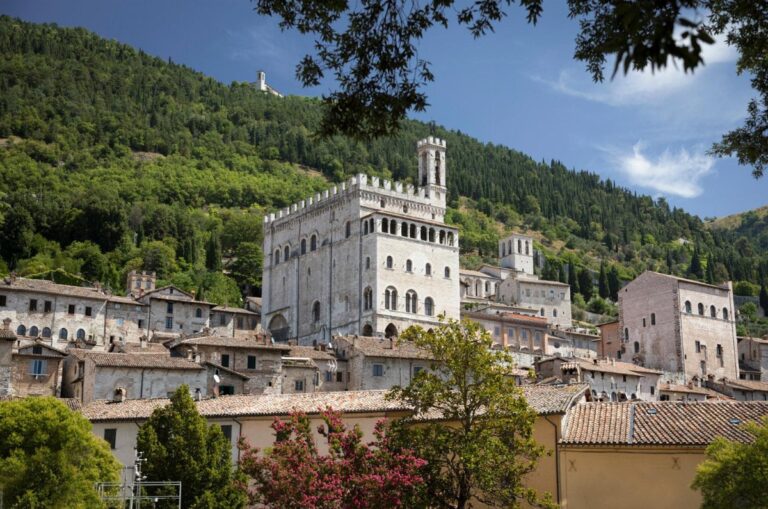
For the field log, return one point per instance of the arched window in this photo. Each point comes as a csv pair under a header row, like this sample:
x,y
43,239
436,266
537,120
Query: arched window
x,y
277,256
487,287
542,312
21,330
390,263
287,253
428,269
367,298
80,334
431,234
383,203
316,311
367,330
653,318
63,333
303,246
198,313
478,288
450,238
424,168
447,272
408,266
423,233
688,306
637,347
34,331
701,309
46,332
429,306
725,313
519,246
385,225
437,168
413,231
509,247
313,243
411,302
404,229
527,247
365,228
390,298
503,249
367,262
390,331
347,230
554,313
393,227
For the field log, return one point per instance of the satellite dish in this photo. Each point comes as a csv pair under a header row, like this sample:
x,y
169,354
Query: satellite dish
x,y
216,378
330,345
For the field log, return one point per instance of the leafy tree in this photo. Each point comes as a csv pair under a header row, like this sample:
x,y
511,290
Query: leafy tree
x,y
586,286
602,283
293,473
49,457
158,257
734,474
370,48
748,311
246,269
178,445
484,447
746,289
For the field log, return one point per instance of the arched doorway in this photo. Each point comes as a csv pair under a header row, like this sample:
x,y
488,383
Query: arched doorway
x,y
278,327
390,331
367,330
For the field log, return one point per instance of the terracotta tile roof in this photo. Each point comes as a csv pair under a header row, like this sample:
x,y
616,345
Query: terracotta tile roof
x,y
251,405
684,389
135,360
45,286
137,348
227,370
680,423
229,309
749,385
614,367
229,342
684,280
381,347
477,273
311,352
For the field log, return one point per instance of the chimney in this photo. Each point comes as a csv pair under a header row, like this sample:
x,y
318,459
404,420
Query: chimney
x,y
198,394
7,324
120,395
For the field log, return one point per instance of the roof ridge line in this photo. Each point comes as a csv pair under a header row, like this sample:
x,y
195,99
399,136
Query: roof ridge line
x,y
631,430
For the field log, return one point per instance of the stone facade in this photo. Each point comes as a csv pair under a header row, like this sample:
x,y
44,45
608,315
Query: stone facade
x,y
753,355
367,257
679,326
36,370
175,311
610,340
234,322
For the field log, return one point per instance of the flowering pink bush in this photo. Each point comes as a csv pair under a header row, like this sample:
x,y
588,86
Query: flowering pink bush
x,y
292,474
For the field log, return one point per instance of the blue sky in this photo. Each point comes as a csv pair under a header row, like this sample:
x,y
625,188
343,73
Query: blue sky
x,y
518,87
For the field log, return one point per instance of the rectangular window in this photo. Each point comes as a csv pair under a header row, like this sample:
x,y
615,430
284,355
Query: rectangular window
x,y
37,368
339,376
71,309
298,385
329,376
110,435
643,322
2,300
226,429
510,334
37,350
416,370
251,362
33,304
47,305
496,332
222,319
227,390
240,322
88,311
225,360
653,390
698,347
169,308
169,322
140,323
378,370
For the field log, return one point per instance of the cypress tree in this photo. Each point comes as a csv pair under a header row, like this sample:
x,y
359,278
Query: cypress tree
x,y
602,282
695,269
572,280
764,299
213,252
585,284
614,283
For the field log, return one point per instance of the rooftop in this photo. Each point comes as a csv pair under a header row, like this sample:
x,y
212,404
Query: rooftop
x,y
746,385
684,280
311,352
681,423
45,286
135,360
685,389
229,342
230,309
382,347
605,366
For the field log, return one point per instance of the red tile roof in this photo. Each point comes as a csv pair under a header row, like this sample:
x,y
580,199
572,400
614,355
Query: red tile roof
x,y
666,423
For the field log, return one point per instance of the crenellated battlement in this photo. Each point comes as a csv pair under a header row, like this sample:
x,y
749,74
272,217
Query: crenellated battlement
x,y
360,182
431,140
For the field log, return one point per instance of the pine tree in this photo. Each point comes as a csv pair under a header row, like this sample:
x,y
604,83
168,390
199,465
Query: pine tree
x,y
602,282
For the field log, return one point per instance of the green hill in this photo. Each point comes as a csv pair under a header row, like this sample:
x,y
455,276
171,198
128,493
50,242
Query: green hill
x,y
112,159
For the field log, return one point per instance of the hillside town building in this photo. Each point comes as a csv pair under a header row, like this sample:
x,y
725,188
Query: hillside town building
x,y
368,257
683,327
753,358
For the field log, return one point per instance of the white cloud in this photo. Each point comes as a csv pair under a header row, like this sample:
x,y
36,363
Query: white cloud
x,y
641,87
671,173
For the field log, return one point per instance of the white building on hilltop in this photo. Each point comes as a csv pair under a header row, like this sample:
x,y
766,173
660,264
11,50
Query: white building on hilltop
x,y
261,84
368,257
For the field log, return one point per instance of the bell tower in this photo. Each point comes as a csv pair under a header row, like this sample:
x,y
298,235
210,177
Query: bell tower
x,y
432,168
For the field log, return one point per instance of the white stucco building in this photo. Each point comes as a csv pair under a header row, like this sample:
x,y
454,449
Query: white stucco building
x,y
368,257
